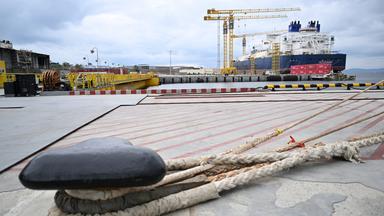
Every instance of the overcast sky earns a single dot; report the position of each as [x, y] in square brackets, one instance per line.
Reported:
[142, 32]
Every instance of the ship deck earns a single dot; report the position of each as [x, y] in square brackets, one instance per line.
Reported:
[194, 125]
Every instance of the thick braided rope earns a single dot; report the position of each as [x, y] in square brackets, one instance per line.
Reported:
[109, 194]
[365, 137]
[182, 163]
[191, 162]
[235, 172]
[174, 177]
[248, 158]
[325, 133]
[369, 140]
[163, 205]
[348, 150]
[186, 163]
[245, 147]
[113, 193]
[232, 159]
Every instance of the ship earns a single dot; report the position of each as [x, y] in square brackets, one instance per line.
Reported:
[298, 46]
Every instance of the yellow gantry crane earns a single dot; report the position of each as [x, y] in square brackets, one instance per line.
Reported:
[228, 27]
[229, 17]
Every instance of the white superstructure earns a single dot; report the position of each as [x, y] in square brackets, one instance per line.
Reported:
[6, 44]
[297, 41]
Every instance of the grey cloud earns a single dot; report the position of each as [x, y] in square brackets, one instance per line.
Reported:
[68, 29]
[23, 21]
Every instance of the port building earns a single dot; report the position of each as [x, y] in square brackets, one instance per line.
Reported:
[22, 61]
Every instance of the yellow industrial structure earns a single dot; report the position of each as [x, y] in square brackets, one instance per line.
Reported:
[3, 74]
[88, 80]
[109, 81]
[275, 58]
[4, 77]
[228, 16]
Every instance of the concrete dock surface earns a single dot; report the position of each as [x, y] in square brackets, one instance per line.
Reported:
[195, 125]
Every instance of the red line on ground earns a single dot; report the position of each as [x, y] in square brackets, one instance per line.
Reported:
[214, 126]
[323, 120]
[370, 125]
[354, 118]
[171, 124]
[378, 154]
[227, 131]
[231, 141]
[159, 120]
[134, 118]
[245, 111]
[273, 139]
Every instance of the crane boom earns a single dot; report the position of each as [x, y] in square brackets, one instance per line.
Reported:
[258, 33]
[212, 18]
[246, 11]
[244, 36]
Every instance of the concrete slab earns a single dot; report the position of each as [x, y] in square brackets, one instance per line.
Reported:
[194, 129]
[29, 124]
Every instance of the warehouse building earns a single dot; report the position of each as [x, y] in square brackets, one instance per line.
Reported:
[22, 61]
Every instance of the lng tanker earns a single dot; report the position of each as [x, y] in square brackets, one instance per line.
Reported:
[299, 46]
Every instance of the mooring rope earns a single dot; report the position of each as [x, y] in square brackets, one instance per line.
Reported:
[325, 133]
[194, 168]
[250, 145]
[113, 193]
[250, 159]
[349, 150]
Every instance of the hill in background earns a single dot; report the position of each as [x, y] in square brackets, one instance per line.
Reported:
[362, 70]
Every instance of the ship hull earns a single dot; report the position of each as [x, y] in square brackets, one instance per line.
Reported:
[286, 61]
